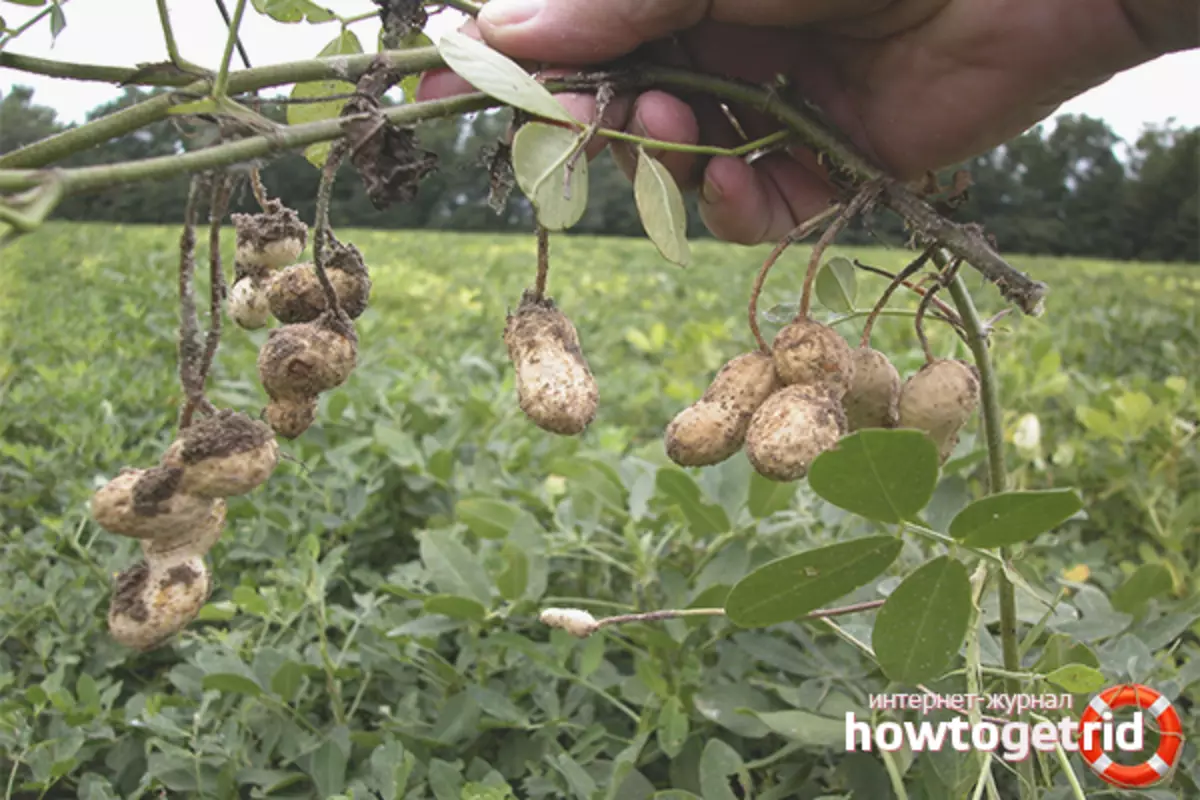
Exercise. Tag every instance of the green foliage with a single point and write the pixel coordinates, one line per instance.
(373, 629)
(923, 623)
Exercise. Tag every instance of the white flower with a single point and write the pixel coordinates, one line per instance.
(1027, 437)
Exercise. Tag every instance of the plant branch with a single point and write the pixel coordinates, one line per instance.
(157, 108)
(900, 279)
(221, 85)
(288, 137)
(994, 436)
(801, 231)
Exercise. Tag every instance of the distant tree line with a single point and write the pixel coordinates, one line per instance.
(1070, 188)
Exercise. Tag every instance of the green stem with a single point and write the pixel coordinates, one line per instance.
(994, 437)
(696, 149)
(346, 21)
(468, 7)
(222, 83)
(941, 538)
(112, 126)
(90, 72)
(291, 137)
(164, 17)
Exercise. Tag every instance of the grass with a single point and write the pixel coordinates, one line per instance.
(324, 664)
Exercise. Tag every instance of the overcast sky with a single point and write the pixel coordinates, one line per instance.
(96, 33)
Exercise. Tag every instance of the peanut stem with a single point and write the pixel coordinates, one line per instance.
(865, 195)
(801, 231)
(543, 261)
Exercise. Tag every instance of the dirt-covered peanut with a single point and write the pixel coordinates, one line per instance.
(873, 400)
(295, 294)
(790, 429)
(808, 353)
(225, 454)
(299, 362)
(148, 504)
(194, 541)
(939, 399)
(271, 239)
(555, 387)
(704, 433)
(151, 602)
(290, 417)
(247, 304)
(744, 382)
(712, 429)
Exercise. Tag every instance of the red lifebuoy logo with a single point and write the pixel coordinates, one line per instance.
(1095, 736)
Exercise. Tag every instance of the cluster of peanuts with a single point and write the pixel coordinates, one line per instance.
(784, 407)
(177, 510)
(788, 406)
(315, 349)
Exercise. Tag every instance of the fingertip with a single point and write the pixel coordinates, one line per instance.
(734, 203)
(441, 83)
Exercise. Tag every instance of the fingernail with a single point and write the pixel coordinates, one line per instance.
(710, 192)
(501, 13)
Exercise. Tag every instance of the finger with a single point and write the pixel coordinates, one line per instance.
(658, 115)
(748, 205)
(582, 31)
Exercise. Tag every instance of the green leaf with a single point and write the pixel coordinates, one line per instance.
(792, 586)
(33, 3)
(346, 43)
(1147, 581)
(1078, 678)
(58, 21)
(231, 683)
(291, 11)
(884, 475)
(921, 627)
(837, 285)
(495, 74)
(660, 205)
(287, 680)
(453, 567)
(327, 767)
(812, 730)
(390, 768)
(672, 727)
(704, 519)
(1011, 517)
(769, 497)
(456, 607)
(488, 518)
(718, 762)
(515, 576)
(251, 601)
(540, 154)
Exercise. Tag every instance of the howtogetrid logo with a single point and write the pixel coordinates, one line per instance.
(1097, 736)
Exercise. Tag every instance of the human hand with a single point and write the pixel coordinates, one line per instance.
(916, 84)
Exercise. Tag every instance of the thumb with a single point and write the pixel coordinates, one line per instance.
(581, 31)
